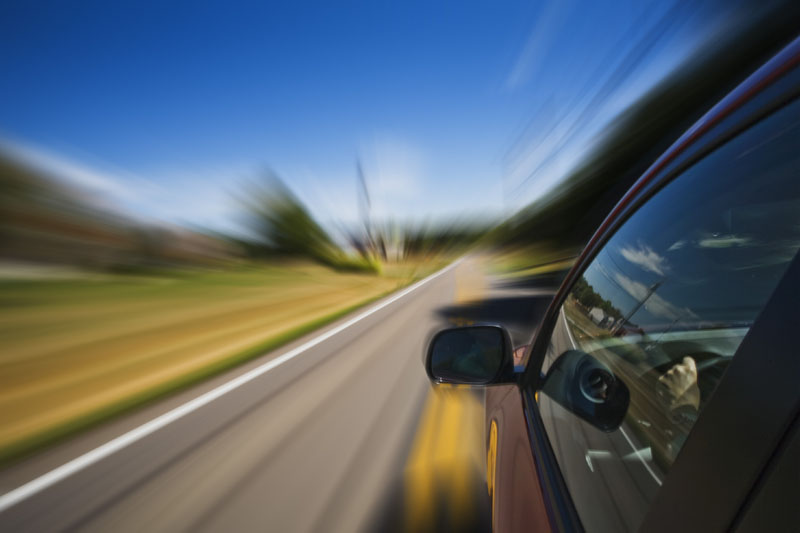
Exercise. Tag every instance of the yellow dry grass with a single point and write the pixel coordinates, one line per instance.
(74, 349)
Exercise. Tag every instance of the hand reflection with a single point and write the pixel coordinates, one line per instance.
(677, 388)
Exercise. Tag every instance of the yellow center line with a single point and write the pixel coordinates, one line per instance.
(491, 461)
(420, 488)
(447, 453)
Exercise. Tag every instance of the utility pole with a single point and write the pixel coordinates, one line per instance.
(653, 288)
(365, 205)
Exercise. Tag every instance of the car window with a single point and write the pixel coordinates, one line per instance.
(665, 304)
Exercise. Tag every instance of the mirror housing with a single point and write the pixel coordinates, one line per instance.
(586, 387)
(471, 355)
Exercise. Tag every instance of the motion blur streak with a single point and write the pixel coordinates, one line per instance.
(86, 460)
(192, 197)
(317, 444)
(445, 465)
(446, 461)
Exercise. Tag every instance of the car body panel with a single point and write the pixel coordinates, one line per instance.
(774, 502)
(517, 500)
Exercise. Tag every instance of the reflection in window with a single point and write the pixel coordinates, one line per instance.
(665, 305)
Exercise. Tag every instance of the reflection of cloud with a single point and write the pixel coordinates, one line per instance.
(723, 241)
(654, 303)
(677, 245)
(645, 257)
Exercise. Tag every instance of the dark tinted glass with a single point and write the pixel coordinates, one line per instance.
(467, 355)
(666, 304)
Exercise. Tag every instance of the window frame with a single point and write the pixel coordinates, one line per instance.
(693, 484)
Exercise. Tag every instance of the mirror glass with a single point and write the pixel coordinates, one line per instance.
(467, 355)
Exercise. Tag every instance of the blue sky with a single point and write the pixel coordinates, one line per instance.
(167, 107)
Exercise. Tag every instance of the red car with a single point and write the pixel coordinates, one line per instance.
(662, 389)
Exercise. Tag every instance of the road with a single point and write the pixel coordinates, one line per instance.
(320, 440)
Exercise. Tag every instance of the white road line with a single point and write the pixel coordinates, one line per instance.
(566, 326)
(86, 460)
(642, 459)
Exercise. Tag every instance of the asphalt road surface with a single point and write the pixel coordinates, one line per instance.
(316, 436)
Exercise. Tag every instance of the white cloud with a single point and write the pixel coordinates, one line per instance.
(395, 172)
(111, 182)
(645, 257)
(196, 197)
(204, 196)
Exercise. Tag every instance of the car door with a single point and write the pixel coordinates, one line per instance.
(689, 299)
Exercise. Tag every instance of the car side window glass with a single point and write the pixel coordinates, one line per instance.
(664, 306)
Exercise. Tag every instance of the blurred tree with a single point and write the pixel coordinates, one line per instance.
(283, 225)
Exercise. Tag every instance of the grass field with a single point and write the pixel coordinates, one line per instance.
(80, 350)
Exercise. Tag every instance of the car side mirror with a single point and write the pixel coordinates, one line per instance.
(586, 387)
(472, 355)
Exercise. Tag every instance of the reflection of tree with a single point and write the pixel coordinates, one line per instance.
(589, 298)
